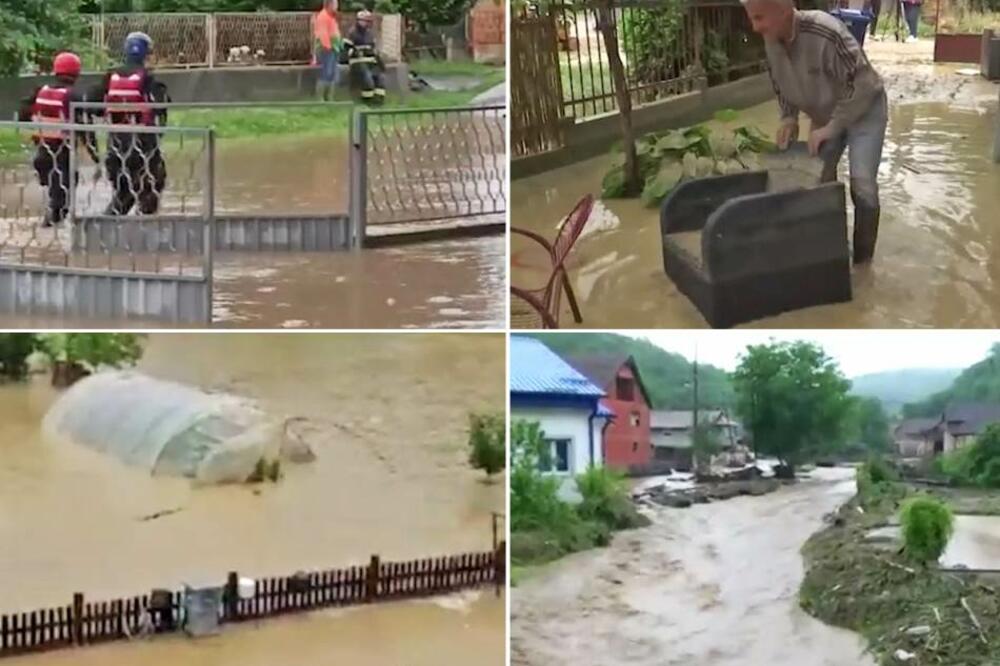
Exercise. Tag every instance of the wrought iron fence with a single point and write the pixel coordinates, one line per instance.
(423, 165)
(67, 223)
(665, 49)
(232, 39)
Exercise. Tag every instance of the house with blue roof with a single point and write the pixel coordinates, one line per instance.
(546, 389)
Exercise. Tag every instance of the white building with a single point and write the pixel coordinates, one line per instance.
(566, 405)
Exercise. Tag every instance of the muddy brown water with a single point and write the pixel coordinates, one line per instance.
(975, 543)
(936, 263)
(713, 585)
(446, 284)
(386, 416)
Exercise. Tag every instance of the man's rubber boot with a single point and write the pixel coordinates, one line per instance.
(865, 232)
(321, 88)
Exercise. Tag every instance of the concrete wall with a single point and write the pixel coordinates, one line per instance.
(595, 136)
(243, 84)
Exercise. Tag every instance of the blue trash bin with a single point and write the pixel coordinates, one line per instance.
(856, 20)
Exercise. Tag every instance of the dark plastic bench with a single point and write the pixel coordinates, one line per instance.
(740, 252)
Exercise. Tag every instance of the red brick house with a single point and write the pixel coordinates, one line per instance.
(627, 441)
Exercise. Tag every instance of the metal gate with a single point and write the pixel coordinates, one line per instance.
(420, 169)
(99, 246)
(244, 225)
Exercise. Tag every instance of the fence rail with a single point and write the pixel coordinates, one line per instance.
(234, 38)
(163, 611)
(665, 50)
(424, 165)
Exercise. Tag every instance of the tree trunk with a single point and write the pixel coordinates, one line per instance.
(67, 373)
(609, 32)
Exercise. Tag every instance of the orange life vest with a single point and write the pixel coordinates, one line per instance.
(51, 106)
(127, 89)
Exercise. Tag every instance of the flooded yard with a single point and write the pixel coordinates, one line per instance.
(935, 264)
(713, 585)
(386, 417)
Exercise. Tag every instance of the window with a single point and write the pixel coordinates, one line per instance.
(625, 388)
(634, 419)
(635, 447)
(558, 456)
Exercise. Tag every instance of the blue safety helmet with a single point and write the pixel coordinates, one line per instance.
(138, 45)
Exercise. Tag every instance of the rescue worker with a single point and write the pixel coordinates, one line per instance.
(817, 67)
(362, 56)
(134, 161)
(50, 103)
(328, 45)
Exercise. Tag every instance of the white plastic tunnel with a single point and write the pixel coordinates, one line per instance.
(165, 427)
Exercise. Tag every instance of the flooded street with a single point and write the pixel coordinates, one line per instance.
(974, 544)
(935, 264)
(386, 417)
(713, 585)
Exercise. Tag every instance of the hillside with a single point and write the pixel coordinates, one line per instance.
(666, 375)
(977, 383)
(894, 388)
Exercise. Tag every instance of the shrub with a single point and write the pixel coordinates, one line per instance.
(15, 348)
(956, 466)
(606, 499)
(93, 349)
(877, 486)
(927, 526)
(487, 445)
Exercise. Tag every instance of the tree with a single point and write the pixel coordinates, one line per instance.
(632, 184)
(33, 31)
(488, 449)
(793, 398)
(93, 349)
(977, 383)
(871, 425)
(15, 348)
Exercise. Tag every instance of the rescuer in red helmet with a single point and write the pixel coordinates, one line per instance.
(50, 104)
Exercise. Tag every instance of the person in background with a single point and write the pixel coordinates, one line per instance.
(362, 56)
(135, 164)
(911, 10)
(327, 48)
(50, 104)
(817, 66)
(874, 8)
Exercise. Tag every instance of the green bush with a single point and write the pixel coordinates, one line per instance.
(606, 499)
(956, 466)
(15, 348)
(877, 486)
(927, 526)
(977, 464)
(879, 471)
(93, 349)
(487, 442)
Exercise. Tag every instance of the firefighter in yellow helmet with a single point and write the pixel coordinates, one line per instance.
(362, 56)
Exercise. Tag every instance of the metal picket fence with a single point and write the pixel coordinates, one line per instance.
(242, 223)
(98, 245)
(428, 165)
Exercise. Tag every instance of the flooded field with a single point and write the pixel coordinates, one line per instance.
(713, 585)
(386, 417)
(935, 264)
(455, 284)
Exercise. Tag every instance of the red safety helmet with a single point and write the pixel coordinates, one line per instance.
(67, 64)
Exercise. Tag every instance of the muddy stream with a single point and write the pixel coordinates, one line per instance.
(936, 264)
(386, 416)
(713, 585)
(445, 284)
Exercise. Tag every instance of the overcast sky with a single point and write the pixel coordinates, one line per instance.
(859, 352)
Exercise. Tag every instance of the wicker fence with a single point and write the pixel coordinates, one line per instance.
(233, 39)
(84, 623)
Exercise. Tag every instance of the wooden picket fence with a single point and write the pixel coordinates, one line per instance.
(85, 623)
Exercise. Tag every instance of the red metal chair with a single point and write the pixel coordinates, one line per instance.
(537, 308)
(560, 248)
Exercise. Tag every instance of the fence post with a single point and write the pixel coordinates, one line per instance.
(371, 582)
(78, 618)
(500, 566)
(231, 599)
(208, 236)
(211, 37)
(358, 205)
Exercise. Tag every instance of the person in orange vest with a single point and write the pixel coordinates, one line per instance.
(135, 164)
(50, 104)
(327, 47)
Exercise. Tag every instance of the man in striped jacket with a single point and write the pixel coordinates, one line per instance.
(818, 68)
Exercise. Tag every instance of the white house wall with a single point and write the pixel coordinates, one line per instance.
(572, 424)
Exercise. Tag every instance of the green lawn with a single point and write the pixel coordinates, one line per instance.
(431, 67)
(252, 124)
